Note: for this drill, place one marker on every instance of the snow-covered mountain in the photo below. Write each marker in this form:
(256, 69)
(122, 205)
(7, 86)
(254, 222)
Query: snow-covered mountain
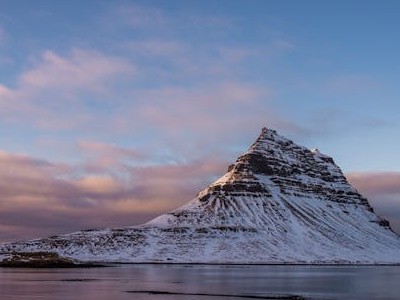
(278, 203)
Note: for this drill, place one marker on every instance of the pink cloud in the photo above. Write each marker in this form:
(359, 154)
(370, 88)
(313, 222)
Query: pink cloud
(40, 197)
(83, 69)
(206, 80)
(5, 97)
(43, 198)
(102, 157)
(383, 192)
(212, 115)
(198, 109)
(376, 183)
(23, 165)
(99, 185)
(178, 182)
(53, 84)
(103, 149)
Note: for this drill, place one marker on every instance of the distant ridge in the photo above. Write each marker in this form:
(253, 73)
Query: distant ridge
(278, 203)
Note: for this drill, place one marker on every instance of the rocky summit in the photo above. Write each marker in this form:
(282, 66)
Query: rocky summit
(278, 203)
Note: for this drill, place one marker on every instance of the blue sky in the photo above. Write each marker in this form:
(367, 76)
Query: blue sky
(107, 99)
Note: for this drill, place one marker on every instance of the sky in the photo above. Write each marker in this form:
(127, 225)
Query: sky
(113, 112)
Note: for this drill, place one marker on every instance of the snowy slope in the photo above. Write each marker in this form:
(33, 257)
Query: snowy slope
(279, 203)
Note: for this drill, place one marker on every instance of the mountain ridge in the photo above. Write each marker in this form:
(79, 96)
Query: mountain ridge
(278, 203)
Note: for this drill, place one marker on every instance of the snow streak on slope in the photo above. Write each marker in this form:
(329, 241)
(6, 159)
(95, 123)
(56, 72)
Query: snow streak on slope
(279, 203)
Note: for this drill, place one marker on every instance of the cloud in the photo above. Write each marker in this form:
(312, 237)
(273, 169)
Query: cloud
(42, 198)
(102, 157)
(382, 190)
(139, 16)
(185, 104)
(83, 69)
(195, 108)
(194, 121)
(50, 93)
(377, 183)
(103, 149)
(177, 182)
(22, 165)
(151, 19)
(176, 58)
(179, 108)
(134, 89)
(196, 88)
(192, 43)
(99, 185)
(223, 108)
(5, 94)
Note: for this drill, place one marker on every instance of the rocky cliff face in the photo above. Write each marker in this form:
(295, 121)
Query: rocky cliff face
(279, 203)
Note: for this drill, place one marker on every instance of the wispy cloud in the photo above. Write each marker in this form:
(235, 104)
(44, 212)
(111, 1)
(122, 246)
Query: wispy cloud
(49, 93)
(197, 108)
(193, 43)
(82, 69)
(5, 93)
(158, 21)
(102, 157)
(165, 79)
(176, 58)
(139, 16)
(194, 120)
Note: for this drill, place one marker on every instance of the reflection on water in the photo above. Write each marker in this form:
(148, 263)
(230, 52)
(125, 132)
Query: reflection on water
(125, 281)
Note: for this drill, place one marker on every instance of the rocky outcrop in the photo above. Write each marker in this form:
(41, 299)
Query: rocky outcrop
(42, 260)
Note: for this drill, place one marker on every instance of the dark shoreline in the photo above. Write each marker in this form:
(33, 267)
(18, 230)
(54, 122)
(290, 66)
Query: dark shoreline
(54, 260)
(40, 260)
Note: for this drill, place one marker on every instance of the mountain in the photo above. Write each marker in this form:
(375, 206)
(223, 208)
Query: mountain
(278, 203)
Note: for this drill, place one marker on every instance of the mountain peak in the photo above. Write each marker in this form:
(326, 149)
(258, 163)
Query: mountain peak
(266, 136)
(278, 203)
(269, 142)
(265, 132)
(274, 164)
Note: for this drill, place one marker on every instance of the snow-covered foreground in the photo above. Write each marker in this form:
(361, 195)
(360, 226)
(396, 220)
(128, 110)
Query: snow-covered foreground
(279, 203)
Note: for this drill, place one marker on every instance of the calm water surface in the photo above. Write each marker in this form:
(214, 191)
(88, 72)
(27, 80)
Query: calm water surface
(224, 282)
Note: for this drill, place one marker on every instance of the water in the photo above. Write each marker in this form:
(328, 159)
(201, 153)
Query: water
(226, 282)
